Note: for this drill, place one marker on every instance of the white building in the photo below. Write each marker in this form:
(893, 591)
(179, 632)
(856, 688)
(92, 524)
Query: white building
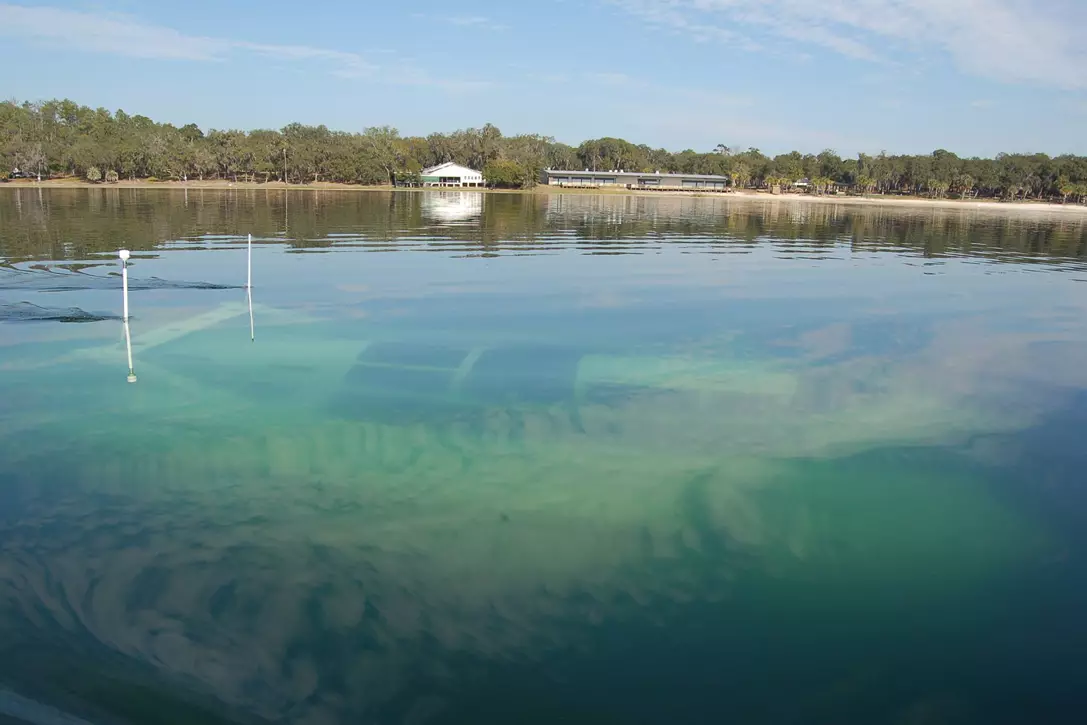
(450, 174)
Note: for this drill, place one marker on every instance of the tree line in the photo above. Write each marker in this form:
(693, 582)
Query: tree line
(63, 138)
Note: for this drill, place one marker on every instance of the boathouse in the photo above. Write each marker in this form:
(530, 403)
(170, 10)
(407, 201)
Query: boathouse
(451, 174)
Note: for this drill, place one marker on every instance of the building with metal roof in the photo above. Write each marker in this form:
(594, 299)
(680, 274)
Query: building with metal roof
(451, 174)
(635, 180)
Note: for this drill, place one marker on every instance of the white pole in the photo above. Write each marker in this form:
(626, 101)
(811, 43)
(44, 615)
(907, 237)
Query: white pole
(249, 285)
(128, 346)
(249, 297)
(124, 255)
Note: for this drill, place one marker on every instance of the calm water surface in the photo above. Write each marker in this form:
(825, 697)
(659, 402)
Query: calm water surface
(496, 459)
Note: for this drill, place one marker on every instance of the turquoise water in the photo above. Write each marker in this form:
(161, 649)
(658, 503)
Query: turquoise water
(540, 459)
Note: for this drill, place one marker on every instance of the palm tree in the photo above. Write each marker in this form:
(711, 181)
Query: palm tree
(963, 184)
(740, 175)
(1065, 187)
(937, 187)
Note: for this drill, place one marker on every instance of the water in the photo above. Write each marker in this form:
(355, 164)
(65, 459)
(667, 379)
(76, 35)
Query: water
(519, 458)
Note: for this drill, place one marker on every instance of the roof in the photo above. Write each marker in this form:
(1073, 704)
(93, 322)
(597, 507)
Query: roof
(448, 165)
(647, 174)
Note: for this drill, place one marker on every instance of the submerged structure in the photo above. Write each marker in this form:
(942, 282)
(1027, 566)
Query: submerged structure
(268, 521)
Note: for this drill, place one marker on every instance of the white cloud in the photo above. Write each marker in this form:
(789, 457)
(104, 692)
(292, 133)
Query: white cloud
(475, 21)
(115, 34)
(609, 78)
(128, 36)
(672, 96)
(346, 65)
(682, 16)
(1009, 40)
(703, 131)
(1078, 106)
(549, 77)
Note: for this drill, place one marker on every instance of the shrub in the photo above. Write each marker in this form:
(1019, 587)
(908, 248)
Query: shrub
(111, 177)
(94, 175)
(505, 174)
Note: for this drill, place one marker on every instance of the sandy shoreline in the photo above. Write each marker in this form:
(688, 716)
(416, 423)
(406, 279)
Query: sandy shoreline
(747, 195)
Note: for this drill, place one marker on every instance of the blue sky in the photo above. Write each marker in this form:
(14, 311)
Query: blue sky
(972, 76)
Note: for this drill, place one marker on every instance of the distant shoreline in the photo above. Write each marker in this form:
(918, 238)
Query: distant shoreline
(746, 195)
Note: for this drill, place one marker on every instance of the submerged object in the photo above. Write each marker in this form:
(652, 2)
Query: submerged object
(30, 312)
(26, 710)
(544, 374)
(54, 280)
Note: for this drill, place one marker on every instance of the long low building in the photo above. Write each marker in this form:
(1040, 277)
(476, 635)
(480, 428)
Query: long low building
(634, 180)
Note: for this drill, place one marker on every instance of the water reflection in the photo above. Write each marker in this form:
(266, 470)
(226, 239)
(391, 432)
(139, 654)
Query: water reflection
(451, 206)
(90, 221)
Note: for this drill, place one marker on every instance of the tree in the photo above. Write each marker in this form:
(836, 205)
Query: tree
(31, 157)
(412, 174)
(94, 175)
(1066, 188)
(490, 140)
(740, 175)
(384, 142)
(63, 137)
(203, 161)
(937, 187)
(506, 174)
(821, 184)
(789, 166)
(111, 177)
(963, 183)
(264, 149)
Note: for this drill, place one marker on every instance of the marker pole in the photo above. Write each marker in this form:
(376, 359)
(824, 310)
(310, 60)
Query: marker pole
(124, 255)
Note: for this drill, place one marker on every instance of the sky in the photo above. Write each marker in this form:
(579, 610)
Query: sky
(908, 76)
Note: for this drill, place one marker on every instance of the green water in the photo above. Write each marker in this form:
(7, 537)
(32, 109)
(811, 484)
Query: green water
(494, 459)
